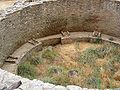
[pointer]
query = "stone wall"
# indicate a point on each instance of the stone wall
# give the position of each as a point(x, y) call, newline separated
point(24, 21)
point(7, 80)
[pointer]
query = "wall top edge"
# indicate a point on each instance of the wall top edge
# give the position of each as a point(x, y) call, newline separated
point(19, 5)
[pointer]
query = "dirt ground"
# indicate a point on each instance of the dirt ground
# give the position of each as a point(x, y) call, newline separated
point(93, 65)
point(6, 3)
point(68, 53)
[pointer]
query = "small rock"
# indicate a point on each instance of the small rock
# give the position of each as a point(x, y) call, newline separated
point(2, 86)
point(14, 86)
point(73, 87)
point(24, 80)
point(32, 85)
point(10, 79)
point(48, 86)
point(73, 73)
point(57, 71)
point(60, 88)
point(50, 48)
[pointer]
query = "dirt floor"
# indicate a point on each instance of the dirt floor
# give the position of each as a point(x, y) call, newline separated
point(84, 64)
point(6, 3)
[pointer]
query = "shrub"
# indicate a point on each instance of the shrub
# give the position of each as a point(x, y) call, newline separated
point(102, 51)
point(88, 56)
point(27, 70)
point(93, 82)
point(79, 70)
point(50, 54)
point(96, 72)
point(54, 70)
point(62, 79)
point(35, 58)
point(97, 40)
point(91, 54)
point(109, 68)
point(115, 58)
point(49, 80)
point(111, 49)
point(115, 49)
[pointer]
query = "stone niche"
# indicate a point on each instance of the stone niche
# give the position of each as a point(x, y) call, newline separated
point(66, 38)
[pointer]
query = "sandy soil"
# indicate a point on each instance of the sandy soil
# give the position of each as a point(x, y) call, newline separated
point(69, 52)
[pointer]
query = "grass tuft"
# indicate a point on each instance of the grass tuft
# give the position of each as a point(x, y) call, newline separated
point(88, 56)
point(27, 70)
point(62, 79)
point(54, 70)
point(50, 54)
point(49, 80)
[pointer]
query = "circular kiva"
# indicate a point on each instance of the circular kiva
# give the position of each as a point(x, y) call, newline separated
point(48, 20)
point(33, 45)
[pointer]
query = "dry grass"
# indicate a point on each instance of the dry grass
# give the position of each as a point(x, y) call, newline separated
point(95, 64)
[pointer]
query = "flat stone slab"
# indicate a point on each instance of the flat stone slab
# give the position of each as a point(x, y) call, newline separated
point(10, 67)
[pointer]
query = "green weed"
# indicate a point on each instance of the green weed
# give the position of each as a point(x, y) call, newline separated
point(50, 54)
point(27, 70)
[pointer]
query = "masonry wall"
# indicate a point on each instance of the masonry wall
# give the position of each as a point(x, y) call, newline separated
point(52, 17)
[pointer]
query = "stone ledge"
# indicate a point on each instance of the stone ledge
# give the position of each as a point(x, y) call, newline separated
point(8, 79)
point(26, 49)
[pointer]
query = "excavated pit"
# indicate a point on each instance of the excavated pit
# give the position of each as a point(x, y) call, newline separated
point(22, 23)
point(92, 64)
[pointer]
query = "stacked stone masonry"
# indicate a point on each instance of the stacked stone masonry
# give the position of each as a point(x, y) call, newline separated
point(24, 21)
point(8, 79)
point(22, 52)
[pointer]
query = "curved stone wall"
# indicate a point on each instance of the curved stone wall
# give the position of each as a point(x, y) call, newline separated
point(22, 22)
point(7, 79)
point(36, 45)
